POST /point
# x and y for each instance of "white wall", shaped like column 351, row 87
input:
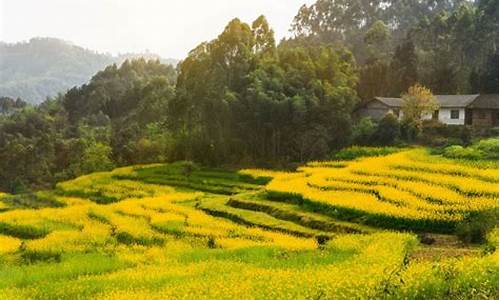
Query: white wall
column 445, row 116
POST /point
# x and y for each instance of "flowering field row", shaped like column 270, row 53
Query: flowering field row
column 134, row 234
column 400, row 190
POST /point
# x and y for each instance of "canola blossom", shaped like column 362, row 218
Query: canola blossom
column 118, row 235
column 402, row 186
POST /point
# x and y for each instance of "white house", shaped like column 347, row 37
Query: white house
column 453, row 109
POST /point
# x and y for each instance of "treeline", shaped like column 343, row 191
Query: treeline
column 449, row 46
column 244, row 99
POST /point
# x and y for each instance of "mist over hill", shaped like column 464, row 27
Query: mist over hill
column 44, row 67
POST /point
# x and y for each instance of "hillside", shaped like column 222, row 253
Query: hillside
column 44, row 67
column 168, row 231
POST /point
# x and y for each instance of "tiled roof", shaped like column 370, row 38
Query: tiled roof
column 485, row 101
column 455, row 100
column 447, row 100
column 392, row 102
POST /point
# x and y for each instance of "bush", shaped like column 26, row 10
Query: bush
column 476, row 226
column 362, row 133
column 188, row 167
column 459, row 152
column 411, row 130
column 491, row 241
column 483, row 150
column 489, row 148
column 354, row 152
column 388, row 130
column 437, row 134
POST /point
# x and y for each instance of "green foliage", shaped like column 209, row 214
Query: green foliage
column 491, row 240
column 476, row 227
column 482, row 150
column 238, row 100
column 488, row 147
column 186, row 175
column 354, row 152
column 118, row 118
column 71, row 266
column 44, row 67
column 459, row 152
column 411, row 130
column 431, row 44
column 242, row 98
column 96, row 158
column 31, row 200
column 388, row 130
column 363, row 131
column 23, row 231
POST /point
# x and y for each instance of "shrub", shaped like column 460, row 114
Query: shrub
column 488, row 147
column 476, row 226
column 459, row 152
column 491, row 240
column 388, row 130
column 188, row 167
column 362, row 133
column 411, row 130
column 484, row 149
column 354, row 152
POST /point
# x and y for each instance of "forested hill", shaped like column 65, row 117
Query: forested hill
column 43, row 67
column 243, row 98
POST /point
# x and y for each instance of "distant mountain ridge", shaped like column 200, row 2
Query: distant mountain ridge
column 44, row 67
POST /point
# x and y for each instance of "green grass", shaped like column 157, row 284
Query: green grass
column 362, row 217
column 31, row 200
column 23, row 231
column 71, row 267
column 205, row 180
column 218, row 207
column 270, row 257
column 297, row 214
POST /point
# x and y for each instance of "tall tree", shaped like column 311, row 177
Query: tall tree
column 404, row 68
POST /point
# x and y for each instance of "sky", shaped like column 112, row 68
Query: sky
column 168, row 28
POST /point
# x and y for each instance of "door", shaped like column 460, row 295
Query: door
column 468, row 116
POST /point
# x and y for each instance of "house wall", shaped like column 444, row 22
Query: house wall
column 484, row 117
column 374, row 109
column 445, row 116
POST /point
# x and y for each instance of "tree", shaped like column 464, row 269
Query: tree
column 96, row 157
column 404, row 68
column 241, row 98
column 375, row 72
column 388, row 130
column 417, row 102
column 362, row 133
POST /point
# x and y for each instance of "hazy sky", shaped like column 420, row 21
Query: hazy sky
column 169, row 28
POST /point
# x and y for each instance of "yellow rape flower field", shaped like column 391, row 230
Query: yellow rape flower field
column 329, row 230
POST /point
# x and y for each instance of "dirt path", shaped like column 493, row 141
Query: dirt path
column 436, row 246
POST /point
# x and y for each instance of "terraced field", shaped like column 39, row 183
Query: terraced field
column 327, row 231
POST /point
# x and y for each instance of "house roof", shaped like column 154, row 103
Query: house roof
column 447, row 101
column 455, row 100
column 485, row 101
column 392, row 102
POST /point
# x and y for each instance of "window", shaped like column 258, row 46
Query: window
column 454, row 114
